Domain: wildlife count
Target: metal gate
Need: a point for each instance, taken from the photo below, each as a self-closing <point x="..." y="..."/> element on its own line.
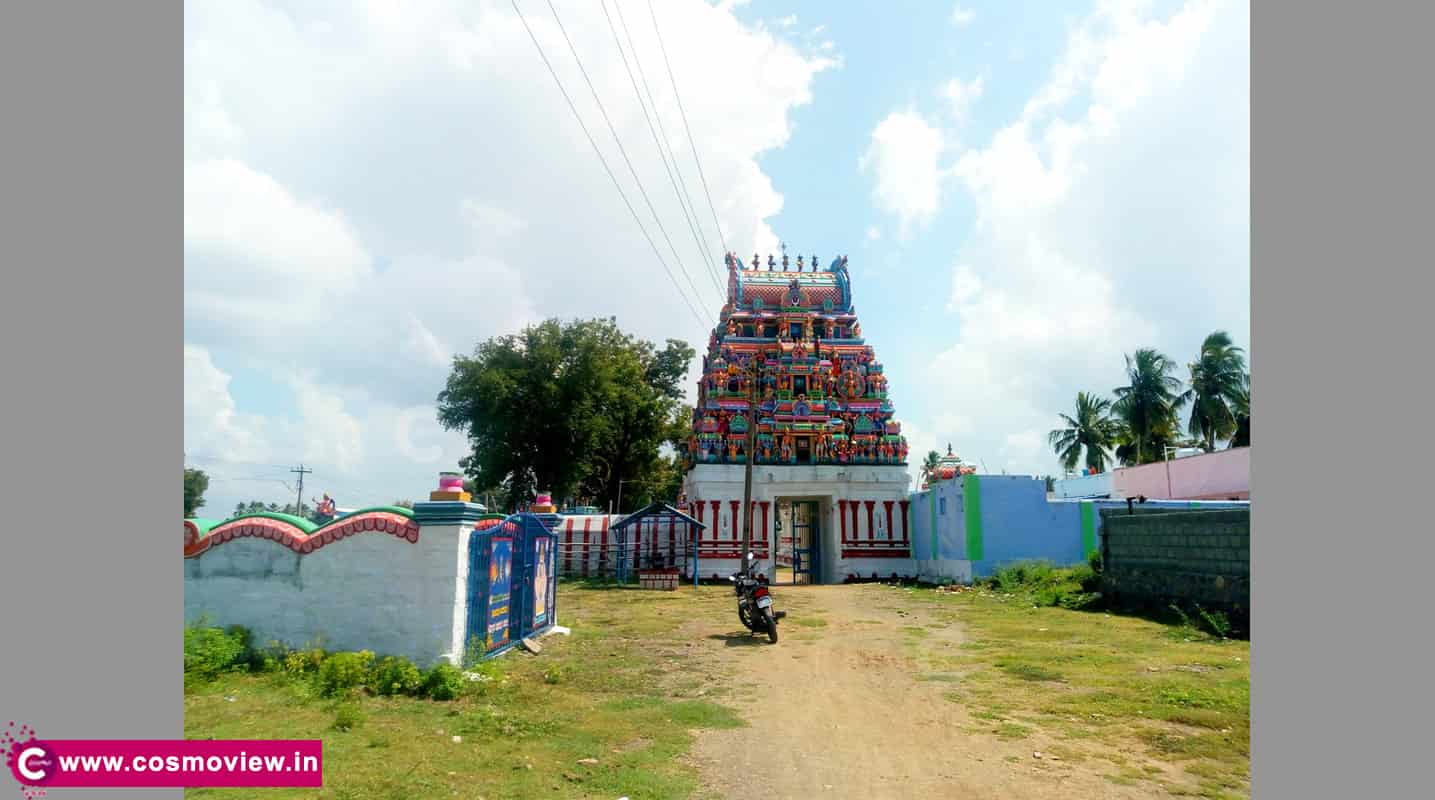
<point x="512" y="582"/>
<point x="805" y="536"/>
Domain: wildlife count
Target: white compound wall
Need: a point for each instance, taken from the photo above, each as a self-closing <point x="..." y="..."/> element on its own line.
<point x="369" y="590"/>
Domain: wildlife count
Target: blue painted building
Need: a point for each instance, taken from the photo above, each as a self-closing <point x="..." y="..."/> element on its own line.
<point x="968" y="527"/>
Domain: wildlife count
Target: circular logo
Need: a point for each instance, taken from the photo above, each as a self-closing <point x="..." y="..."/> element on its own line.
<point x="33" y="763"/>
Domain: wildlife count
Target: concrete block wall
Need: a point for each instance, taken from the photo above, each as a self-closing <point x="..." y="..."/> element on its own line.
<point x="375" y="581"/>
<point x="1193" y="557"/>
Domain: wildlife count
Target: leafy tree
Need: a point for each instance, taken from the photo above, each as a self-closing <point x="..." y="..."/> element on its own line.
<point x="196" y="483"/>
<point x="1217" y="376"/>
<point x="566" y="408"/>
<point x="1147" y="406"/>
<point x="1091" y="430"/>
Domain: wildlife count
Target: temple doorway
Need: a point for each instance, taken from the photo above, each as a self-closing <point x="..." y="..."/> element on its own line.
<point x="799" y="542"/>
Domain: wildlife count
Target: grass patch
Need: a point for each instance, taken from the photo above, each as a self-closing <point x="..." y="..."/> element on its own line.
<point x="522" y="727"/>
<point x="1108" y="683"/>
<point x="1029" y="672"/>
<point x="809" y="622"/>
<point x="1011" y="730"/>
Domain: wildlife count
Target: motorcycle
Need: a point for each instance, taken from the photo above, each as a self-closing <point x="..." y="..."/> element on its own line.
<point x="754" y="603"/>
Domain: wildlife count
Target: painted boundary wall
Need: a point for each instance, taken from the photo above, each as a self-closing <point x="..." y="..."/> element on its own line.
<point x="1085" y="486"/>
<point x="1213" y="476"/>
<point x="386" y="579"/>
<point x="1222" y="475"/>
<point x="1199" y="557"/>
<point x="968" y="528"/>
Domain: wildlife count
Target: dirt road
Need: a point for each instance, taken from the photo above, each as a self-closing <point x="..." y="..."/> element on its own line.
<point x="839" y="710"/>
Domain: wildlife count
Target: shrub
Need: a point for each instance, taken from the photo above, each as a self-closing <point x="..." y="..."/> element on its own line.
<point x="1093" y="560"/>
<point x="1043" y="584"/>
<point x="443" y="682"/>
<point x="341" y="672"/>
<point x="348" y="716"/>
<point x="554" y="673"/>
<point x="300" y="662"/>
<point x="210" y="651"/>
<point x="1215" y="622"/>
<point x="393" y="676"/>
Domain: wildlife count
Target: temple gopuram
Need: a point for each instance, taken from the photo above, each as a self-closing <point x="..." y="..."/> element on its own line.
<point x="829" y="458"/>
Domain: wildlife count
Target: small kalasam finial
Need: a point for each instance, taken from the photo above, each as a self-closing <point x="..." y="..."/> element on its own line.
<point x="814" y="263"/>
<point x="784" y="259"/>
<point x="771" y="262"/>
<point x="755" y="260"/>
<point x="799" y="263"/>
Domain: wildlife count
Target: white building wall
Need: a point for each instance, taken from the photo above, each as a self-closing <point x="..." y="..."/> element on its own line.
<point x="828" y="484"/>
<point x="370" y="591"/>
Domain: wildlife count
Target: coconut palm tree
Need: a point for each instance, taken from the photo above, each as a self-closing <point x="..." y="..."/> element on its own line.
<point x="1092" y="429"/>
<point x="929" y="466"/>
<point x="1240" y="403"/>
<point x="1149" y="403"/>
<point x="1216" y="377"/>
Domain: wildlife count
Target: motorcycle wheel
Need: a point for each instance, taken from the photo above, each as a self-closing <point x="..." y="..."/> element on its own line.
<point x="771" y="625"/>
<point x="745" y="616"/>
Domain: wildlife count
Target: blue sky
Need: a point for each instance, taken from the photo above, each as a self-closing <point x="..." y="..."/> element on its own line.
<point x="1025" y="191"/>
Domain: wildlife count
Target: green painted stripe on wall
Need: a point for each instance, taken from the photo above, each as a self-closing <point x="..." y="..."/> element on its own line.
<point x="1088" y="528"/>
<point x="972" y="500"/>
<point x="932" y="509"/>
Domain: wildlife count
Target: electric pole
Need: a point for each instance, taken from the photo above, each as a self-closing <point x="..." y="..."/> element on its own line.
<point x="748" y="458"/>
<point x="301" y="471"/>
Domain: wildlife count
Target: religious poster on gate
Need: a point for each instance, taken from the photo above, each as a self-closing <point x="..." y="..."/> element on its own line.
<point x="500" y="591"/>
<point x="539" y="587"/>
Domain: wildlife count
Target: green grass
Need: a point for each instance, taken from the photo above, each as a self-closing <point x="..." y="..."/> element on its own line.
<point x="1104" y="683"/>
<point x="620" y="689"/>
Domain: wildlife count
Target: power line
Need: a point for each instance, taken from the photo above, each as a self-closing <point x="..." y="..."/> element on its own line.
<point x="199" y="457"/>
<point x="699" y="238"/>
<point x="607" y="169"/>
<point x="689" y="130"/>
<point x="622" y="150"/>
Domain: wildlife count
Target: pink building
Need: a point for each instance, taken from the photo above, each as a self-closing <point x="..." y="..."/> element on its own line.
<point x="1222" y="475"/>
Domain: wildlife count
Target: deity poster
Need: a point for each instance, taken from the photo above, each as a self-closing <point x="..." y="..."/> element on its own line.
<point x="539" y="587"/>
<point x="500" y="590"/>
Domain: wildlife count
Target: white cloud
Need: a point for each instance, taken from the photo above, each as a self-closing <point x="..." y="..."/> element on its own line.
<point x="372" y="188"/>
<point x="1111" y="215"/>
<point x="903" y="154"/>
<point x="788" y="21"/>
<point x="212" y="422"/>
<point x="364" y="452"/>
<point x="965" y="285"/>
<point x="962" y="17"/>
<point x="961" y="94"/>
<point x="491" y="222"/>
<point x="873" y="233"/>
<point x="246" y="236"/>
